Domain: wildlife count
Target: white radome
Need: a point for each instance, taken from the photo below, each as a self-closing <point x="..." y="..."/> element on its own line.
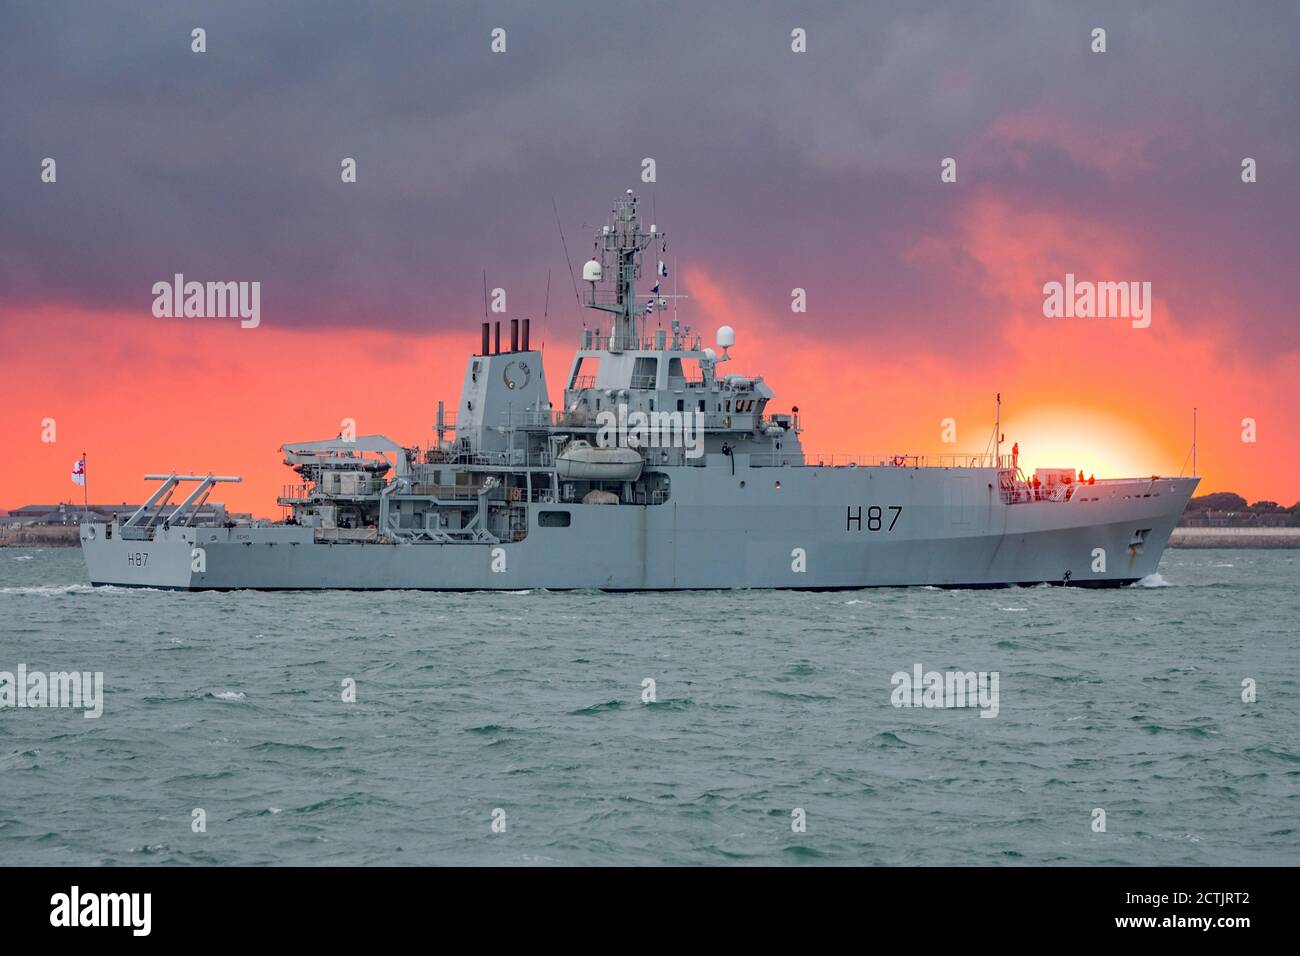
<point x="726" y="337"/>
<point x="591" y="271"/>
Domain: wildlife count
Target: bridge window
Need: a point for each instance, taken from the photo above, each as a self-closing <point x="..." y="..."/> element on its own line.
<point x="684" y="372"/>
<point x="553" y="519"/>
<point x="585" y="371"/>
<point x="645" y="373"/>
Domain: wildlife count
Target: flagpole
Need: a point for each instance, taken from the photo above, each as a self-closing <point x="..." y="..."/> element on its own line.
<point x="85" y="488"/>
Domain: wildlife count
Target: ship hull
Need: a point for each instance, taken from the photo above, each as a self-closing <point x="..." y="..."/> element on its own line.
<point x="807" y="528"/>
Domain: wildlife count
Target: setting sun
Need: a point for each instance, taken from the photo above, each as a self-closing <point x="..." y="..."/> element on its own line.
<point x="1088" y="440"/>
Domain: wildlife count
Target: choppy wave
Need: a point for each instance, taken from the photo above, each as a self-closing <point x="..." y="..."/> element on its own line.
<point x="50" y="590"/>
<point x="1156" y="580"/>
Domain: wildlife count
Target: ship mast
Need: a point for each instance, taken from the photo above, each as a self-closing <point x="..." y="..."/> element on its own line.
<point x="997" y="432"/>
<point x="620" y="245"/>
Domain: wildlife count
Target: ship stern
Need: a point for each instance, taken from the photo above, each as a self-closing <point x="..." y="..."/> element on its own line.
<point x="117" y="561"/>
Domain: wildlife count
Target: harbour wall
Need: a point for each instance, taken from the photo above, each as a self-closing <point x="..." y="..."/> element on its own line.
<point x="1235" y="538"/>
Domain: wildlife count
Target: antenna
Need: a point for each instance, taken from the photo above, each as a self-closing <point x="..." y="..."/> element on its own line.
<point x="563" y="245"/>
<point x="485" y="305"/>
<point x="546" y="309"/>
<point x="1191" y="453"/>
<point x="996" y="438"/>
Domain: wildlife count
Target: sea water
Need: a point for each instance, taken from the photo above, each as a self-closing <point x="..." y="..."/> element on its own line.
<point x="1154" y="724"/>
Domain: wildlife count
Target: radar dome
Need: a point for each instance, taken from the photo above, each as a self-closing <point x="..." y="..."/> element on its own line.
<point x="710" y="354"/>
<point x="591" y="271"/>
<point x="726" y="337"/>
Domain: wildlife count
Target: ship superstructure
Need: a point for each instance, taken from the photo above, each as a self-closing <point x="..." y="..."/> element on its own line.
<point x="658" y="469"/>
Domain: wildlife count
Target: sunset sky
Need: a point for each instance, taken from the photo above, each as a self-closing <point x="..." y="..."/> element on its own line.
<point x="775" y="170"/>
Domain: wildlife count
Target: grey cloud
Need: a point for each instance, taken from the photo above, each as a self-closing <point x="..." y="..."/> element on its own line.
<point x="818" y="170"/>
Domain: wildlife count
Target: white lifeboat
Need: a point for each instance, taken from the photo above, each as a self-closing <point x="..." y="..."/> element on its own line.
<point x="581" y="461"/>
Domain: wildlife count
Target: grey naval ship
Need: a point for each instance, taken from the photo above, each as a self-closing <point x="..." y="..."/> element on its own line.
<point x="659" y="470"/>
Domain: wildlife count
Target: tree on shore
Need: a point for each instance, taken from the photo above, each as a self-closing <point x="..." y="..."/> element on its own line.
<point x="1218" y="501"/>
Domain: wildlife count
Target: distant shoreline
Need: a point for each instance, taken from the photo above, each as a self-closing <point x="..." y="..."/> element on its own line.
<point x="40" y="537"/>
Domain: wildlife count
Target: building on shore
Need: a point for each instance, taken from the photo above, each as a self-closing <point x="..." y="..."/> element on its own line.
<point x="1239" y="519"/>
<point x="73" y="513"/>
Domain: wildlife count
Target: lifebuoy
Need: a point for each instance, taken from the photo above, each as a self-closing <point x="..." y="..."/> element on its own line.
<point x="900" y="461"/>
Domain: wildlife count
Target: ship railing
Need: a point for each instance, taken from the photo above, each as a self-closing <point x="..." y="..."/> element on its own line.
<point x="517" y="458"/>
<point x="1020" y="491"/>
<point x="447" y="492"/>
<point x="726" y="386"/>
<point x="639" y="381"/>
<point x="358" y="535"/>
<point x="1023" y="493"/>
<point x="434" y="455"/>
<point x="544" y="418"/>
<point x="601" y="343"/>
<point x="289" y="493"/>
<point x="876" y="460"/>
<point x="1122" y="481"/>
<point x="656" y="497"/>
